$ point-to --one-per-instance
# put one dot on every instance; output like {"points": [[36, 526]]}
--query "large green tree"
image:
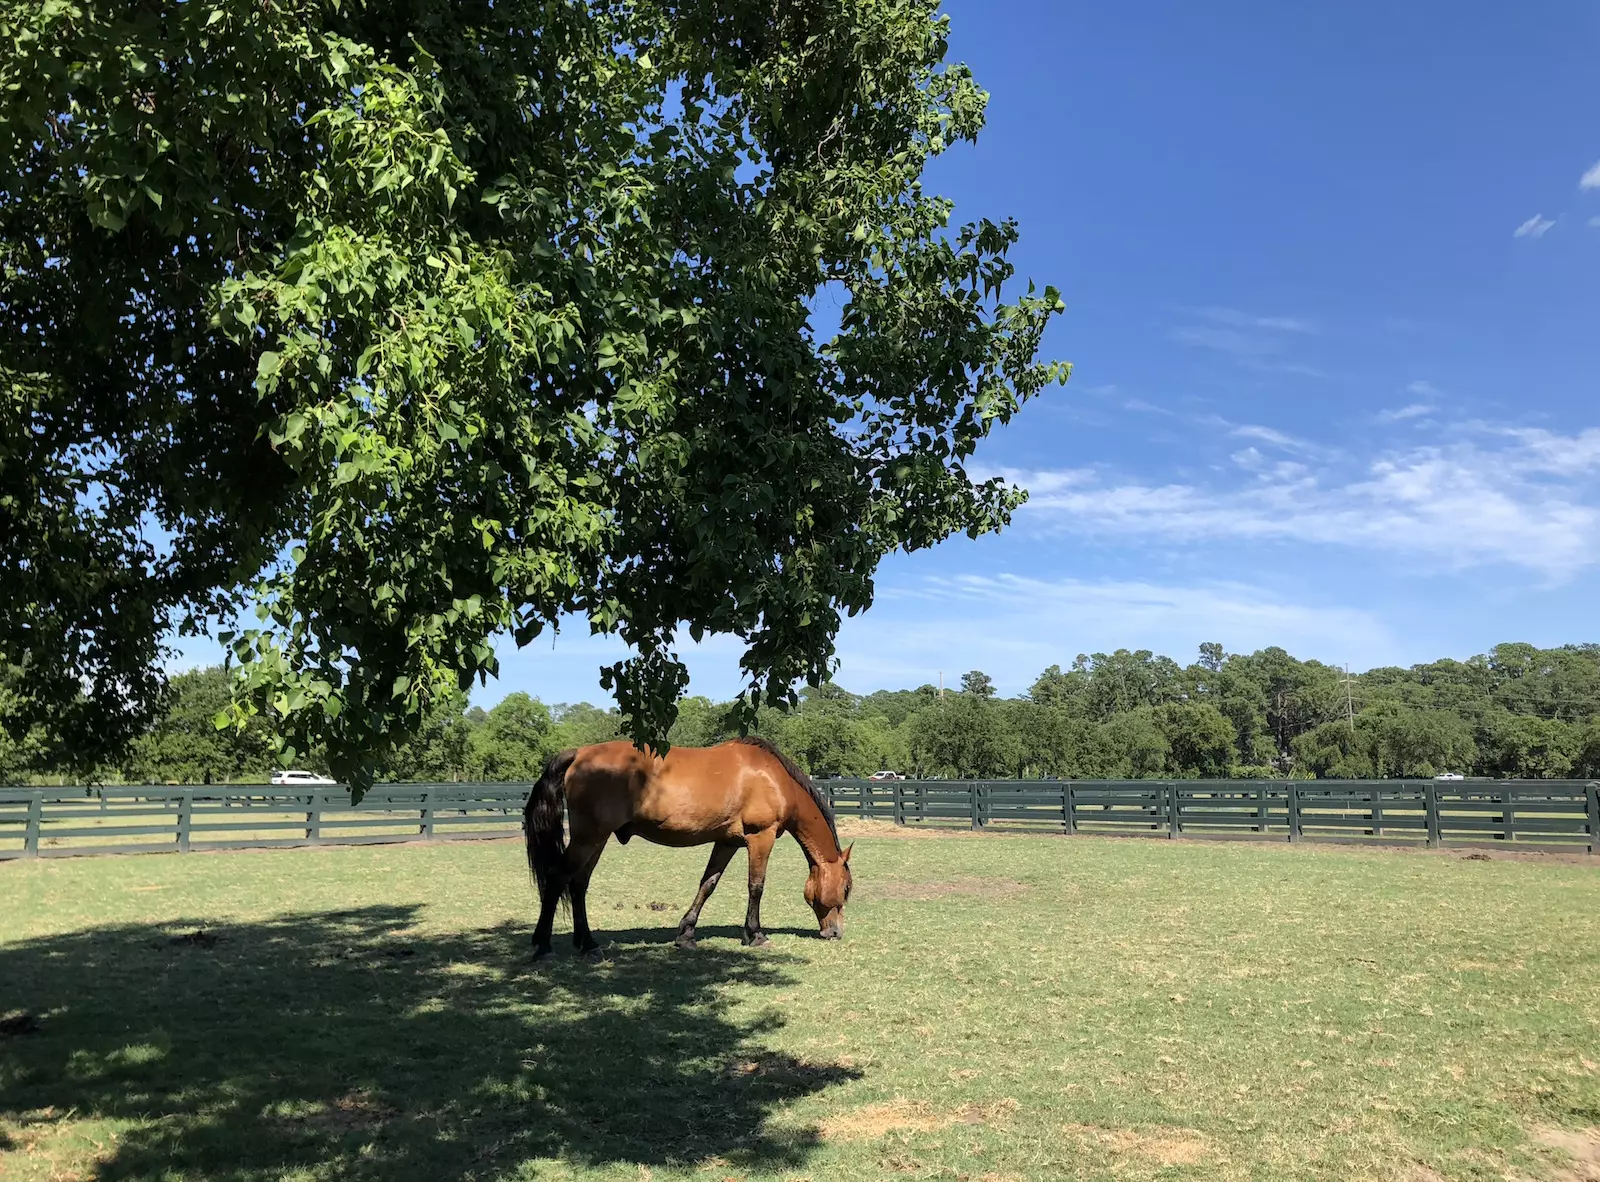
{"points": [[415, 323], [515, 740], [185, 745]]}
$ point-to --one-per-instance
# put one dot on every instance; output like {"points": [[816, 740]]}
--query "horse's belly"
{"points": [[678, 832], [676, 814]]}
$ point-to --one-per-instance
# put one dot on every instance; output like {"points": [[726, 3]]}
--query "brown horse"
{"points": [[741, 793]]}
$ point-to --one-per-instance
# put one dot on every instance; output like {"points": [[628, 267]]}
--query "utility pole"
{"points": [[1349, 702], [941, 685]]}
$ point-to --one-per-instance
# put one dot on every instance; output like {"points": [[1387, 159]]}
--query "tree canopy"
{"points": [[408, 326]]}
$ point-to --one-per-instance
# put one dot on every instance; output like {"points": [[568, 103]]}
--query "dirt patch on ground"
{"points": [[778, 1070], [199, 938], [854, 827], [1578, 856], [912, 1116], [353, 1112], [1163, 1146], [969, 885], [1581, 1145], [18, 1022]]}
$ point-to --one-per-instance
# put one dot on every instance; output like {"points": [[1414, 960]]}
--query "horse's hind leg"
{"points": [[721, 854], [584, 860], [547, 921]]}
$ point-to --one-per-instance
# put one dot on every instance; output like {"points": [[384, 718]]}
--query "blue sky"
{"points": [[1332, 276]]}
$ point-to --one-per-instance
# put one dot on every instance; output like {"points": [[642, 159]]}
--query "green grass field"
{"points": [[1001, 1008]]}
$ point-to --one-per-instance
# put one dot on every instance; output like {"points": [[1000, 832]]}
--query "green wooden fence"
{"points": [[1560, 813], [56, 822]]}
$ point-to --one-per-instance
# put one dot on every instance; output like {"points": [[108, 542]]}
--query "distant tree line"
{"points": [[1517, 711]]}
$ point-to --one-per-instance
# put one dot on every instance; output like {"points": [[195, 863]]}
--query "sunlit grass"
{"points": [[1001, 1007]]}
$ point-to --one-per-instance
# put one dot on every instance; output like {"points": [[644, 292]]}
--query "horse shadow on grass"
{"points": [[351, 1045]]}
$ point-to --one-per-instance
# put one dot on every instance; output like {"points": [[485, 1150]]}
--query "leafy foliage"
{"points": [[412, 325]]}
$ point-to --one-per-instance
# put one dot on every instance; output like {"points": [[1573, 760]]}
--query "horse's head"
{"points": [[827, 890]]}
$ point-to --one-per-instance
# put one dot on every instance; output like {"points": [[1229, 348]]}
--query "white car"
{"points": [[1449, 776], [297, 778], [885, 775]]}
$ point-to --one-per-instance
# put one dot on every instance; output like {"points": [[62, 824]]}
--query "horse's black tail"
{"points": [[543, 828]]}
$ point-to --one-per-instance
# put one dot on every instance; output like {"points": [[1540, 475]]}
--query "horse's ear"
{"points": [[847, 849]]}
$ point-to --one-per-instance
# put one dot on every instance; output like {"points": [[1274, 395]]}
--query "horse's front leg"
{"points": [[760, 847], [721, 854]]}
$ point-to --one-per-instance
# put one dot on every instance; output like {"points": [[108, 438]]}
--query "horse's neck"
{"points": [[811, 830]]}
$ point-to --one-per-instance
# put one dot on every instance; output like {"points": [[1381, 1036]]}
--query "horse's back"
{"points": [[693, 795]]}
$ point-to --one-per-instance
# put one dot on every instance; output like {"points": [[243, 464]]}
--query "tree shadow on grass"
{"points": [[347, 1046]]}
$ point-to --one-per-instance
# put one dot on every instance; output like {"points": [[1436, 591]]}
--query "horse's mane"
{"points": [[798, 776]]}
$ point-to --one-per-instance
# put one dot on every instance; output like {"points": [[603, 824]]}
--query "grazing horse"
{"points": [[743, 793]]}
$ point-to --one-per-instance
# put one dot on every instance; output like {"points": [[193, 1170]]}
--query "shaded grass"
{"points": [[1000, 1008]]}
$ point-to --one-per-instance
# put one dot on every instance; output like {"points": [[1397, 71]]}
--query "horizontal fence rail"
{"points": [[59, 822], [1549, 813]]}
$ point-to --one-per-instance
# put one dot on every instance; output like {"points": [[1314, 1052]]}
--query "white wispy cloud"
{"points": [[1270, 435], [1400, 414], [1254, 342], [1594, 221], [1590, 179], [1423, 389], [1517, 496], [1225, 340], [1012, 626], [1548, 452], [1238, 319], [1534, 227]]}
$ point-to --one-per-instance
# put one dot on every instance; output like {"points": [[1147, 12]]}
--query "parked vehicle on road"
{"points": [[886, 775], [299, 777]]}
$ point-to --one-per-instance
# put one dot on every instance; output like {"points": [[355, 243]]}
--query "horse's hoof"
{"points": [[687, 942], [756, 940], [540, 951], [592, 952]]}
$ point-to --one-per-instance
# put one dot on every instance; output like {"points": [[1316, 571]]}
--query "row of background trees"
{"points": [[1517, 711]]}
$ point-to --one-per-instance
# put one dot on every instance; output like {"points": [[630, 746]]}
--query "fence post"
{"points": [[977, 817], [899, 799], [314, 818], [1294, 810], [427, 815], [864, 792], [1069, 811], [1261, 807], [1594, 818], [185, 816], [1430, 804], [1172, 808], [30, 835], [1377, 809]]}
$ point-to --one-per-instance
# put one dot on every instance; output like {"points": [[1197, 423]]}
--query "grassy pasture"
{"points": [[1001, 1008]]}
